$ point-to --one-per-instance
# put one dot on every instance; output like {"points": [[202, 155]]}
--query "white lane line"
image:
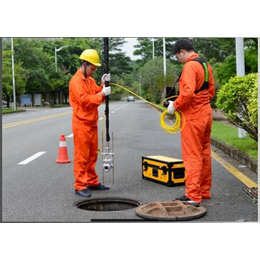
{"points": [[31, 158], [100, 118], [69, 136]]}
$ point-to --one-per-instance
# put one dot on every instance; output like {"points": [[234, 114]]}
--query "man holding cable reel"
{"points": [[196, 90]]}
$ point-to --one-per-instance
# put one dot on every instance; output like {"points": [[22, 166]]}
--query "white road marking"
{"points": [[101, 118], [31, 158], [69, 136]]}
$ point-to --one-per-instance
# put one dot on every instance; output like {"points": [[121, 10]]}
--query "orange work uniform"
{"points": [[85, 102], [195, 136]]}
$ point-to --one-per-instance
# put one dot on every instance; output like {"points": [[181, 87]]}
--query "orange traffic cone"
{"points": [[63, 152]]}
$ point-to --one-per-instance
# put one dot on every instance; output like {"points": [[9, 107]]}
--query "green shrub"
{"points": [[238, 99]]}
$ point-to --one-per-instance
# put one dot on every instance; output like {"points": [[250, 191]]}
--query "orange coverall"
{"points": [[85, 102], [195, 136]]}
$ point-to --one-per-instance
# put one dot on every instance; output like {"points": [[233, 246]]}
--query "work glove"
{"points": [[170, 108], [106, 91], [105, 77]]}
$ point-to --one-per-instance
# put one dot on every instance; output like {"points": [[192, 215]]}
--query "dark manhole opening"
{"points": [[108, 204]]}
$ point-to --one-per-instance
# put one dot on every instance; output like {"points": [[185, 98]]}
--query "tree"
{"points": [[238, 99], [119, 63], [36, 62], [227, 69], [144, 48], [153, 81], [7, 79], [217, 48]]}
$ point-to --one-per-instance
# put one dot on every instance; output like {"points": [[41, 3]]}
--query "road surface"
{"points": [[37, 189]]}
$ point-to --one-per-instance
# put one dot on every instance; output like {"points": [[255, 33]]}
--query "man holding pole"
{"points": [[85, 96]]}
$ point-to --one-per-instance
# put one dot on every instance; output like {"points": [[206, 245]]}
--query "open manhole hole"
{"points": [[108, 204]]}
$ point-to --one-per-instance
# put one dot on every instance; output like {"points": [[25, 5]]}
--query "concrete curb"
{"points": [[236, 154]]}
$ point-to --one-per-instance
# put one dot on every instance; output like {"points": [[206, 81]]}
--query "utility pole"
{"points": [[240, 59], [164, 58], [55, 51], [153, 48], [240, 66], [14, 95]]}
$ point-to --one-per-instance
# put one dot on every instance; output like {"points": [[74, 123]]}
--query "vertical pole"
{"points": [[240, 66], [55, 60], [240, 59], [106, 55], [153, 48], [164, 58], [14, 95]]}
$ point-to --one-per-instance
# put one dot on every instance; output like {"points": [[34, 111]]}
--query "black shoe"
{"points": [[99, 187], [83, 193], [186, 199]]}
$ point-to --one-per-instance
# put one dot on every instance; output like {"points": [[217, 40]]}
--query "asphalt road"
{"points": [[42, 190]]}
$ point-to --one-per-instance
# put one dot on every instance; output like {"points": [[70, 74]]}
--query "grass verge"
{"points": [[10, 110], [229, 135]]}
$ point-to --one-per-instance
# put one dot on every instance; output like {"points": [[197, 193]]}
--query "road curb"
{"points": [[236, 154]]}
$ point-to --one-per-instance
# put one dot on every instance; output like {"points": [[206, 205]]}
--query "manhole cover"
{"points": [[172, 210], [108, 204]]}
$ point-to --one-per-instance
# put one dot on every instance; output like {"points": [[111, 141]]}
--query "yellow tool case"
{"points": [[165, 170]]}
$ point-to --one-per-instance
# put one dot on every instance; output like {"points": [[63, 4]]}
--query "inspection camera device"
{"points": [[107, 145]]}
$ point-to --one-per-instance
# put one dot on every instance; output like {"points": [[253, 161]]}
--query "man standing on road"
{"points": [[85, 96], [196, 91]]}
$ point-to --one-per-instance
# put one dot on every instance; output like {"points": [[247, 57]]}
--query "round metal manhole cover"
{"points": [[172, 210], [108, 204]]}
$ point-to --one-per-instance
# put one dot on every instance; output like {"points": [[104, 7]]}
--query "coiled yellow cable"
{"points": [[172, 129], [176, 127]]}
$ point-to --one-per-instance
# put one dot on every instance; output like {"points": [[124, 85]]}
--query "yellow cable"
{"points": [[172, 129]]}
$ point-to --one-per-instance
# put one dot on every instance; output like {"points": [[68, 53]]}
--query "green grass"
{"points": [[229, 135], [10, 110]]}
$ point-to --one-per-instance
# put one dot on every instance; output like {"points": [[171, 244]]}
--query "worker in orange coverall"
{"points": [[194, 103], [85, 96]]}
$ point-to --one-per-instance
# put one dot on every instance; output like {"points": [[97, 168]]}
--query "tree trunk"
{"points": [[8, 100]]}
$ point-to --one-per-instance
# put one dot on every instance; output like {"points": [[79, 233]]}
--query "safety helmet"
{"points": [[91, 56]]}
